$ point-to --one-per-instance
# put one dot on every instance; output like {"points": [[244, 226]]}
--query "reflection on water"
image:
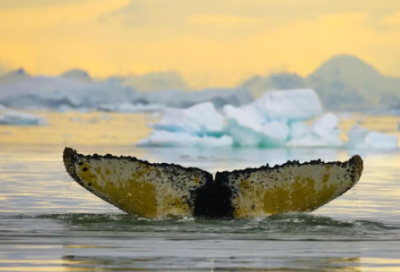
{"points": [[49, 223], [80, 263]]}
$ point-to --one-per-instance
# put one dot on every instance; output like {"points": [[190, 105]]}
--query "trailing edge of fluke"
{"points": [[159, 189]]}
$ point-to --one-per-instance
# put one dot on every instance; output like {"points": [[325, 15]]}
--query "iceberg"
{"points": [[299, 130], [356, 137], [291, 105], [244, 125], [199, 120], [168, 138], [246, 116], [323, 132], [277, 119], [381, 140], [248, 127], [275, 133], [17, 118], [360, 137], [131, 108], [291, 118]]}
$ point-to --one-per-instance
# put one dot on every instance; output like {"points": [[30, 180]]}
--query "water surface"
{"points": [[49, 223]]}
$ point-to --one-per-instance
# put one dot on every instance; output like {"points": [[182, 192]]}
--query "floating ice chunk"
{"points": [[64, 108], [274, 119], [132, 108], [356, 137], [247, 116], [17, 118], [244, 124], [248, 127], [275, 134], [360, 137], [321, 133], [201, 119], [381, 140], [168, 138], [326, 123], [326, 128], [243, 135], [311, 141], [299, 130], [297, 104]]}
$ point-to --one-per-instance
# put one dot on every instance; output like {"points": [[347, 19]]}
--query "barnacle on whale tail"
{"points": [[160, 189]]}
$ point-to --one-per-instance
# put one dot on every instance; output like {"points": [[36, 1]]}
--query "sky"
{"points": [[211, 43]]}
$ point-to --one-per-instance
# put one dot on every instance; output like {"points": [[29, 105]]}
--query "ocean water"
{"points": [[49, 223]]}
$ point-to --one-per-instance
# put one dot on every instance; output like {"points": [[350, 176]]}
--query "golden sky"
{"points": [[209, 42]]}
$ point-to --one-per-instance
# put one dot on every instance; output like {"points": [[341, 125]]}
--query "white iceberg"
{"points": [[381, 140], [360, 137], [246, 116], [17, 118], [356, 137], [248, 127], [278, 119], [131, 108], [275, 118], [168, 138], [323, 132], [291, 105], [299, 130], [245, 125], [201, 120]]}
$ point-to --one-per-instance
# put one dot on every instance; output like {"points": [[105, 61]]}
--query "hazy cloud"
{"points": [[15, 4], [155, 12], [215, 42]]}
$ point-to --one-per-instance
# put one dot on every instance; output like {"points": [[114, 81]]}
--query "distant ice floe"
{"points": [[74, 90], [168, 138], [289, 118], [131, 108], [201, 120], [360, 137], [17, 118], [200, 125]]}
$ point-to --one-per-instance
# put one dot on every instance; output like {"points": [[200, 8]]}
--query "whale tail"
{"points": [[160, 189]]}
